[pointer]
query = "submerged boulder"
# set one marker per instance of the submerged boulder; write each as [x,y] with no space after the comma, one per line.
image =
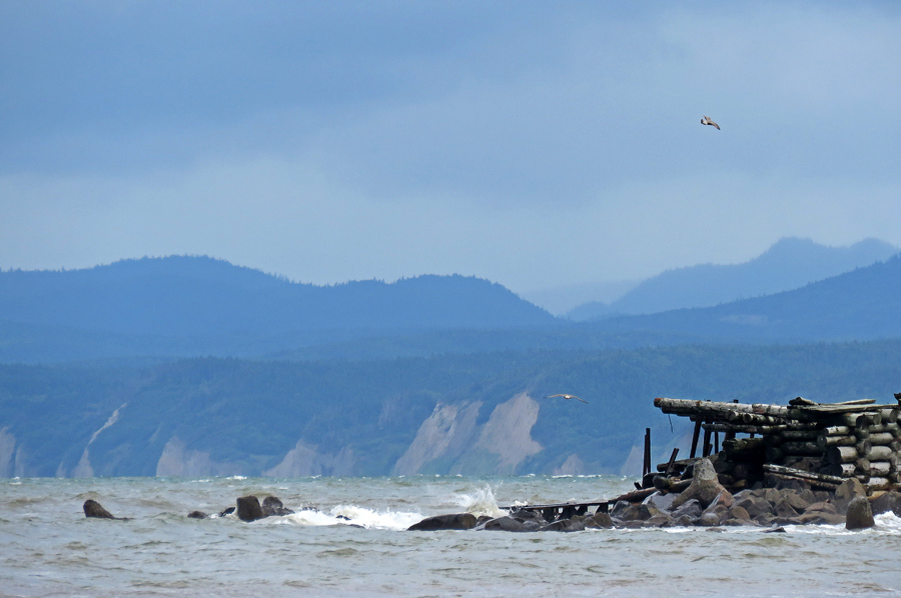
[93,509]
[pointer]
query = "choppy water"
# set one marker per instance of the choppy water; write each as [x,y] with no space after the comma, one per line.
[355,544]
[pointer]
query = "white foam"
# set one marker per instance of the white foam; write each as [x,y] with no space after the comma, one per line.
[480,502]
[348,515]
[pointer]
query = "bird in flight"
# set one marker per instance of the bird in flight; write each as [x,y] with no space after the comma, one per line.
[706,121]
[567,397]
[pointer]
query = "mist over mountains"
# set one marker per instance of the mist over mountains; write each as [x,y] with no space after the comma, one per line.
[789,264]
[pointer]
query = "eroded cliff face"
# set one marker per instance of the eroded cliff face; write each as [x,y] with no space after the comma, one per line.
[7,451]
[178,460]
[451,441]
[306,460]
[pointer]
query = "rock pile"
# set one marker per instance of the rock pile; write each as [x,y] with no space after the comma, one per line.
[706,503]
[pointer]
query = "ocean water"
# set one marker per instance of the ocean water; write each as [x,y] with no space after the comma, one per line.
[355,544]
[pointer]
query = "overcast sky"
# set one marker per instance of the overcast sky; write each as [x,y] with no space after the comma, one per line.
[535,144]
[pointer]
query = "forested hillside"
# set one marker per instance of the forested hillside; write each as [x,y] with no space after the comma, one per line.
[193,296]
[484,413]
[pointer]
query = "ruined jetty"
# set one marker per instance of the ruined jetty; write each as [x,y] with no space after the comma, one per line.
[823,445]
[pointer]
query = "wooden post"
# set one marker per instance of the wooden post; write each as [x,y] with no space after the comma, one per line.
[646,468]
[706,446]
[672,460]
[694,439]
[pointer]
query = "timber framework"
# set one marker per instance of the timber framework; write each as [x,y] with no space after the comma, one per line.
[822,444]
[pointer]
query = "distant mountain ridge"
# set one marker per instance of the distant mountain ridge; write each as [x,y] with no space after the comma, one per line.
[789,264]
[862,304]
[184,296]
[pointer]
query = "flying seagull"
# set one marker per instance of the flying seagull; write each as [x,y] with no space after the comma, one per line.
[567,397]
[706,121]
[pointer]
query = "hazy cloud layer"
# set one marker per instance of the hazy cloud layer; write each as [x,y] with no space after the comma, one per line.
[534,144]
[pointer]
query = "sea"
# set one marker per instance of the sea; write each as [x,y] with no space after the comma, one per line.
[348,538]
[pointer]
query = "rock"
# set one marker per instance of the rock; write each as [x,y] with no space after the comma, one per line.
[823,507]
[661,520]
[683,521]
[564,525]
[783,509]
[603,519]
[705,487]
[619,508]
[887,502]
[775,530]
[713,516]
[530,515]
[739,513]
[227,511]
[860,514]
[273,506]
[691,509]
[660,501]
[796,500]
[846,492]
[249,509]
[197,515]
[93,509]
[510,524]
[442,522]
[755,506]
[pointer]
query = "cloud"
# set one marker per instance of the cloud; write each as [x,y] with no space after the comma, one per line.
[533,144]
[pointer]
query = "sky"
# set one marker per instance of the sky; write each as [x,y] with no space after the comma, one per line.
[542,145]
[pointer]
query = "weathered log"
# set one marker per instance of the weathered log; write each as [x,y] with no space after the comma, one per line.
[773,454]
[878,483]
[841,454]
[827,441]
[819,478]
[837,430]
[889,416]
[799,434]
[879,453]
[743,444]
[880,468]
[843,470]
[801,448]
[717,409]
[862,465]
[881,438]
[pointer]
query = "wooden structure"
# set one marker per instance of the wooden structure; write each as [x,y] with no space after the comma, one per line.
[823,444]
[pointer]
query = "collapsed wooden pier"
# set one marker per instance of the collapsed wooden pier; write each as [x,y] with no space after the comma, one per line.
[822,444]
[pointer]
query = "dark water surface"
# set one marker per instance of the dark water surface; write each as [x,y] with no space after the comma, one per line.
[354,544]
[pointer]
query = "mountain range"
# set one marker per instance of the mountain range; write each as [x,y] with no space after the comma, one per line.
[789,264]
[192,366]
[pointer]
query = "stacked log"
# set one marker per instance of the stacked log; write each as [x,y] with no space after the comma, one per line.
[833,441]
